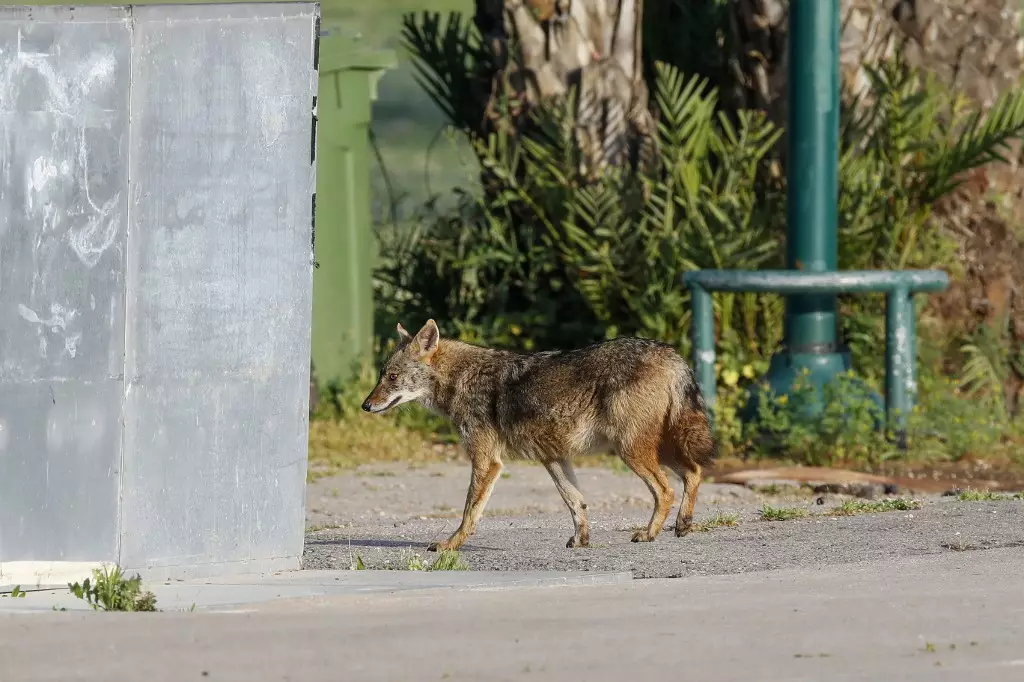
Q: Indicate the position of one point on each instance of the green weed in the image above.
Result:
(854, 507)
(449, 560)
(719, 520)
(770, 513)
(545, 245)
(109, 590)
(987, 496)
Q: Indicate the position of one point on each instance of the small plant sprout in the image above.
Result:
(15, 593)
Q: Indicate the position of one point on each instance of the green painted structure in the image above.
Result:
(345, 248)
(811, 284)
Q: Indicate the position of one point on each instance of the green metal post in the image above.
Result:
(813, 182)
(911, 354)
(811, 347)
(703, 332)
(900, 357)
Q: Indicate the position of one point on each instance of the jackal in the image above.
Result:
(634, 397)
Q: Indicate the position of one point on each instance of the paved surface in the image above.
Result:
(386, 515)
(952, 616)
(242, 593)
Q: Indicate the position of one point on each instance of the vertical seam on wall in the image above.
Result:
(314, 85)
(126, 381)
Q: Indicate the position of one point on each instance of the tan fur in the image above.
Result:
(634, 397)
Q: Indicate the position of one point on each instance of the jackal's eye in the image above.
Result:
(392, 377)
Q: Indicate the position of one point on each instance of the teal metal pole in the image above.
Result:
(703, 336)
(813, 162)
(811, 353)
(900, 358)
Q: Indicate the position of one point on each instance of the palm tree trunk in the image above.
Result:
(973, 46)
(589, 49)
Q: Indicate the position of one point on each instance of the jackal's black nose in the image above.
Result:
(366, 405)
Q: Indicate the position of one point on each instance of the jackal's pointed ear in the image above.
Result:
(402, 334)
(427, 338)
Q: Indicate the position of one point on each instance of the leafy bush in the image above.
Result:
(545, 257)
(603, 255)
(845, 430)
(907, 145)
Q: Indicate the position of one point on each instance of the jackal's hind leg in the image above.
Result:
(642, 458)
(691, 475)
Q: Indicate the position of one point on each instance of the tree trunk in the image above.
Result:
(591, 48)
(973, 46)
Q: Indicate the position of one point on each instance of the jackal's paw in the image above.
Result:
(642, 536)
(576, 541)
(443, 546)
(684, 528)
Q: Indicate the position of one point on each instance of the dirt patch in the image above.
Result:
(978, 473)
(982, 217)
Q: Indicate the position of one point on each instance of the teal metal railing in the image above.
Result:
(900, 320)
(812, 281)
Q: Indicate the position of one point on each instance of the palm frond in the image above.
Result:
(981, 138)
(446, 58)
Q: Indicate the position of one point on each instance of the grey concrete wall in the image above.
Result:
(156, 181)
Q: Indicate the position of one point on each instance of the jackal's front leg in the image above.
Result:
(564, 476)
(486, 459)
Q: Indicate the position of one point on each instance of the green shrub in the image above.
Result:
(546, 258)
(844, 430)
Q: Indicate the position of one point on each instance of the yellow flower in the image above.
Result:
(730, 377)
(748, 371)
(783, 399)
(515, 329)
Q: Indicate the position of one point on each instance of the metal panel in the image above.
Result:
(63, 216)
(156, 182)
(219, 284)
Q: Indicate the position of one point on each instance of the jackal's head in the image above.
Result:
(406, 375)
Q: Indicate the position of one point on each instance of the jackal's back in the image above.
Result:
(565, 403)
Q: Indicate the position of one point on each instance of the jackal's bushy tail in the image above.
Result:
(690, 421)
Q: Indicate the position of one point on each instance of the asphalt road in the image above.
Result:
(948, 616)
(386, 516)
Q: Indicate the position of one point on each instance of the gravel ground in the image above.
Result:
(386, 514)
